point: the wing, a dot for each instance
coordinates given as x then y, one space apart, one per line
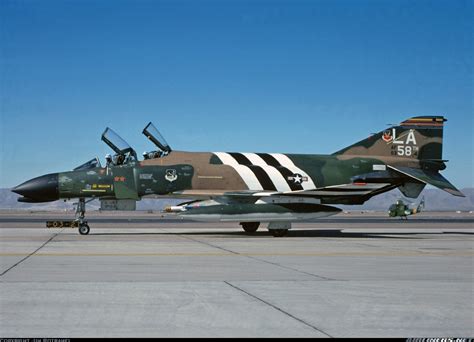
354 192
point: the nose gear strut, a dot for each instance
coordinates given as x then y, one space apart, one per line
84 228
79 220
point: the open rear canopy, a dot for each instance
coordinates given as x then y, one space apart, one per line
155 136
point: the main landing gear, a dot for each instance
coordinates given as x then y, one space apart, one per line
250 227
277 229
279 232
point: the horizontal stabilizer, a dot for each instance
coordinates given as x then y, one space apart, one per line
429 177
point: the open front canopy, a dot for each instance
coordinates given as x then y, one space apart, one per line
115 142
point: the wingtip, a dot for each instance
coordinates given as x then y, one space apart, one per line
454 192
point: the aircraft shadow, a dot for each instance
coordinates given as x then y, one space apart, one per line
316 233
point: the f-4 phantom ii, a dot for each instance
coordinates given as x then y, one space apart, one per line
403 210
251 188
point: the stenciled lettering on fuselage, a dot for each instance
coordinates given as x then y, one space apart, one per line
267 171
402 146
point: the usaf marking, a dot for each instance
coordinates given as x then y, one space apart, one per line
288 163
287 174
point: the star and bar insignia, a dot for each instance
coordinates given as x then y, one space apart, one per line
297 178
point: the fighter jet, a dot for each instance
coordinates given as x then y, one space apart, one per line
251 188
403 210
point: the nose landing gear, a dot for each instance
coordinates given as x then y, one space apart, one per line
78 222
84 228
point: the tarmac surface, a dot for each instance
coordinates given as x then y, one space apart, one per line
143 275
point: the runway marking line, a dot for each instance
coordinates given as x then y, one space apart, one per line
277 308
467 254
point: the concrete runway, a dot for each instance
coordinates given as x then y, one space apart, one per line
140 275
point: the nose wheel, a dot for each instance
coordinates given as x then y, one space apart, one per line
84 229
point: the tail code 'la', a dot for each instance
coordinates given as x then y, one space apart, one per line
420 137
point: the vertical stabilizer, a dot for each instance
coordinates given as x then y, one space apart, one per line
420 137
416 139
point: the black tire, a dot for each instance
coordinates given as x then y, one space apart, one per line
279 232
84 229
250 227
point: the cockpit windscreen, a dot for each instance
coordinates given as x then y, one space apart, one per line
91 164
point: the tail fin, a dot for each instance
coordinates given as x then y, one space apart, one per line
420 137
417 139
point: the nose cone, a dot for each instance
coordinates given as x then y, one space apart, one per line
44 188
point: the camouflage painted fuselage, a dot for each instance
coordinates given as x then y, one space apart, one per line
407 156
200 174
251 188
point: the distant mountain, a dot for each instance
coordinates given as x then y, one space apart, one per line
435 200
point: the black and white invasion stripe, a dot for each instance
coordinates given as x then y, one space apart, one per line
286 173
265 171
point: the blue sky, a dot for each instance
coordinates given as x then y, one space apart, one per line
264 76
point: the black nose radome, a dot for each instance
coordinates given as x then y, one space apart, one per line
44 188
